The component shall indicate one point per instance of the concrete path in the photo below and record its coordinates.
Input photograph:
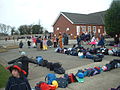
(71, 64)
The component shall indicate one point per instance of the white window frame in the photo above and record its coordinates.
(83, 29)
(94, 29)
(78, 30)
(99, 30)
(67, 29)
(57, 28)
(89, 29)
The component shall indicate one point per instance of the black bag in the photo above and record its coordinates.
(49, 64)
(113, 64)
(97, 59)
(66, 76)
(108, 67)
(57, 65)
(74, 53)
(100, 55)
(62, 82)
(44, 63)
(67, 52)
(60, 70)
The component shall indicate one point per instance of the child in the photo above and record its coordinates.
(45, 44)
(20, 46)
(17, 81)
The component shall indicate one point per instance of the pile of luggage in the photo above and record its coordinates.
(56, 67)
(52, 82)
(95, 53)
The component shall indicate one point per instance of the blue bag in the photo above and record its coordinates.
(50, 77)
(89, 56)
(39, 59)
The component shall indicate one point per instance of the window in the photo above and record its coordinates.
(83, 29)
(98, 30)
(57, 28)
(78, 29)
(94, 29)
(89, 29)
(67, 29)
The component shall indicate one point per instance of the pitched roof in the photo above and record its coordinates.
(93, 18)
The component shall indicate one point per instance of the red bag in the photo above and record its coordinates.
(72, 78)
(45, 86)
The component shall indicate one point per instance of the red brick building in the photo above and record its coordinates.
(74, 24)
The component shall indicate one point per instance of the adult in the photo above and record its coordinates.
(25, 62)
(60, 41)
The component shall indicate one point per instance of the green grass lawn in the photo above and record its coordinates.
(4, 75)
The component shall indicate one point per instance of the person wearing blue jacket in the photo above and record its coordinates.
(101, 41)
(17, 81)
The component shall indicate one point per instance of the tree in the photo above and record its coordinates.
(4, 29)
(12, 30)
(22, 29)
(112, 19)
(37, 29)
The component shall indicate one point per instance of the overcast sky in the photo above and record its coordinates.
(20, 12)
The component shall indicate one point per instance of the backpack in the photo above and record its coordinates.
(108, 67)
(39, 59)
(44, 86)
(50, 77)
(62, 82)
(72, 78)
(74, 53)
(66, 76)
(100, 55)
(67, 52)
(60, 70)
(80, 54)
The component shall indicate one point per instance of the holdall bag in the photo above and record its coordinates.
(60, 70)
(57, 65)
(97, 59)
(62, 82)
(49, 64)
(50, 77)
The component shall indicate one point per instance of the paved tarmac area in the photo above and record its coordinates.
(102, 81)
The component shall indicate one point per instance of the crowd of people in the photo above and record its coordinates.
(20, 66)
